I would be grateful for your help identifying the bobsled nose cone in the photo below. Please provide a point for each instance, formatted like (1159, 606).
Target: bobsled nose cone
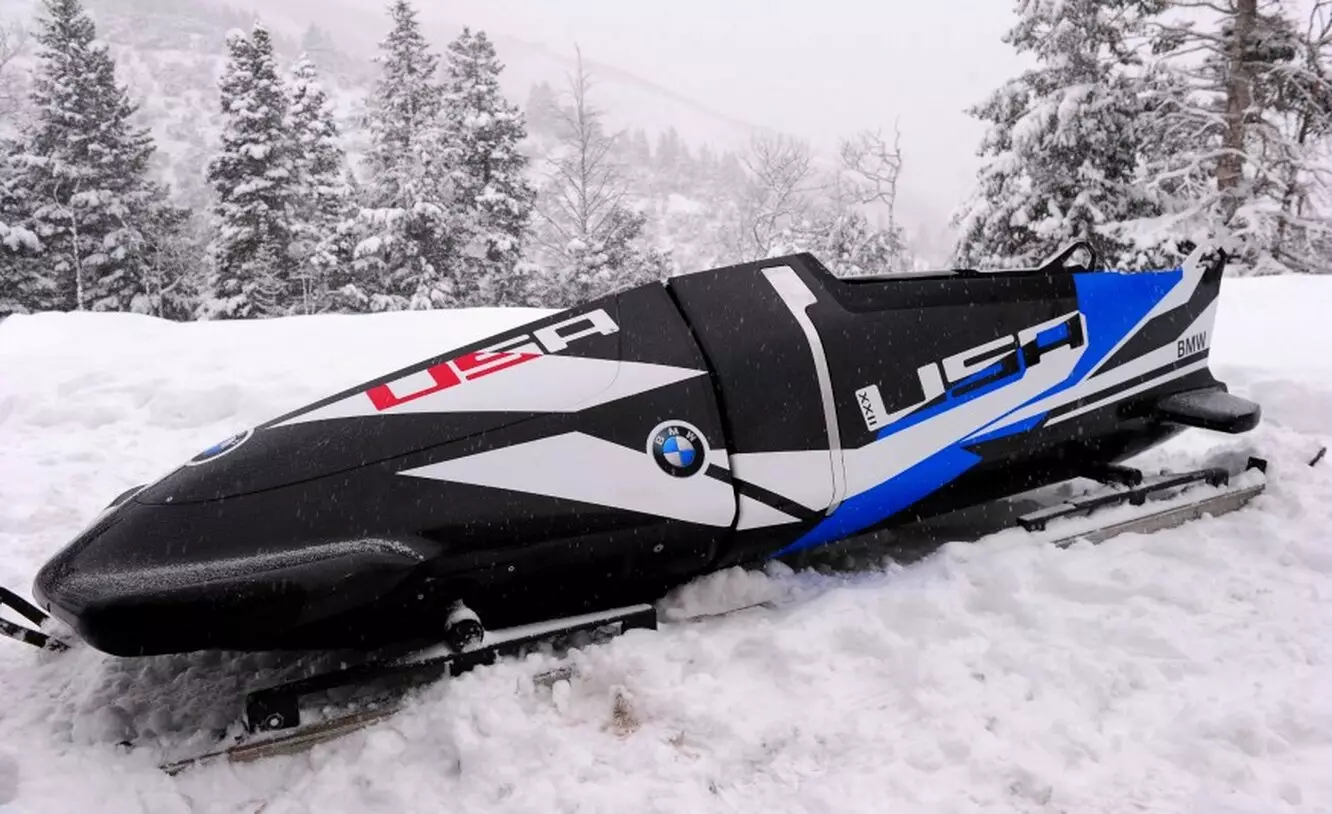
(147, 579)
(128, 586)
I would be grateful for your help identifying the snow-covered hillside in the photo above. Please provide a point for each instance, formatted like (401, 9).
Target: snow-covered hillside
(1182, 671)
(170, 54)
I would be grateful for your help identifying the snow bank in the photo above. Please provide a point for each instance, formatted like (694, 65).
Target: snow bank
(1182, 671)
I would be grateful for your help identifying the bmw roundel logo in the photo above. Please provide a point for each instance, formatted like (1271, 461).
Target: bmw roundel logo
(678, 448)
(221, 448)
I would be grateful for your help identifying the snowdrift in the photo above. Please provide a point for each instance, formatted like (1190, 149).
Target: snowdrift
(1185, 670)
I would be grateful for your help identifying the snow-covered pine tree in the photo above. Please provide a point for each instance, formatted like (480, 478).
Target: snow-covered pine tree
(82, 175)
(613, 258)
(348, 285)
(592, 240)
(22, 281)
(318, 46)
(492, 198)
(1239, 148)
(321, 194)
(1064, 139)
(542, 109)
(175, 279)
(404, 237)
(250, 255)
(845, 241)
(640, 150)
(671, 159)
(15, 239)
(1300, 90)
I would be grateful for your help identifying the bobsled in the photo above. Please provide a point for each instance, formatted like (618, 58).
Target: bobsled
(600, 456)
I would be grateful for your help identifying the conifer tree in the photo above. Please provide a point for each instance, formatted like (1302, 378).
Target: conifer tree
(321, 195)
(492, 197)
(1064, 139)
(79, 178)
(15, 239)
(23, 286)
(252, 176)
(1239, 138)
(671, 156)
(405, 239)
(541, 109)
(640, 151)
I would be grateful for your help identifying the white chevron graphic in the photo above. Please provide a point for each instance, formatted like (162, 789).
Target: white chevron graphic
(577, 466)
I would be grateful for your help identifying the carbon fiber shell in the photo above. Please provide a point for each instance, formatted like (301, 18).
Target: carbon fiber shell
(604, 454)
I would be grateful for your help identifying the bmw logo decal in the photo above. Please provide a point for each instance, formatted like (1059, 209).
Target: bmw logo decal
(678, 448)
(221, 448)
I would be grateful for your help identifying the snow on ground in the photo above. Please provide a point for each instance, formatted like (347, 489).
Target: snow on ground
(1189, 670)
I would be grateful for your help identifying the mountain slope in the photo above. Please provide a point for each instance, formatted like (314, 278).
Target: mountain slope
(171, 53)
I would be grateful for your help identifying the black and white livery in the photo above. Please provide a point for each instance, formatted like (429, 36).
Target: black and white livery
(598, 457)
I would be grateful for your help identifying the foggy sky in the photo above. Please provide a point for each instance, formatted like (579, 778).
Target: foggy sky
(818, 69)
(814, 68)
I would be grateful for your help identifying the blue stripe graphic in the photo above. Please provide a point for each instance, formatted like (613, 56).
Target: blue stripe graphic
(1112, 303)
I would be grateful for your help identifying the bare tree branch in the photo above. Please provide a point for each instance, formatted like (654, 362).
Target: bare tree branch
(586, 185)
(776, 195)
(874, 167)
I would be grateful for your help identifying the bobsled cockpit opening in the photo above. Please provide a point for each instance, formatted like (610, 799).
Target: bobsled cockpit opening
(1076, 258)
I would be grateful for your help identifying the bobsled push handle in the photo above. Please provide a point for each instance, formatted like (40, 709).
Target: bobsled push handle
(30, 612)
(1210, 409)
(1059, 260)
(1057, 263)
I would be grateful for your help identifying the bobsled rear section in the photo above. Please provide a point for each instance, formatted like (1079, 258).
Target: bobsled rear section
(851, 404)
(550, 469)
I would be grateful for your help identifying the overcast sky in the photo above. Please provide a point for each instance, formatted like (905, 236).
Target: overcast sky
(813, 68)
(817, 68)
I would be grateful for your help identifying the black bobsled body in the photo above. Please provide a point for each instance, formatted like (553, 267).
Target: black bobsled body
(601, 455)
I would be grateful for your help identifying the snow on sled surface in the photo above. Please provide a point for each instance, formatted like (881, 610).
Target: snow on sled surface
(1181, 671)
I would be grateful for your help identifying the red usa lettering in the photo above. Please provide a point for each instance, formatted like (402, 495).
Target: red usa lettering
(500, 356)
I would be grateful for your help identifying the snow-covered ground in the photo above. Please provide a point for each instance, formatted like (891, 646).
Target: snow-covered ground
(1189, 670)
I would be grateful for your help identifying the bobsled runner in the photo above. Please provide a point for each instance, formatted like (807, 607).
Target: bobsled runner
(579, 467)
